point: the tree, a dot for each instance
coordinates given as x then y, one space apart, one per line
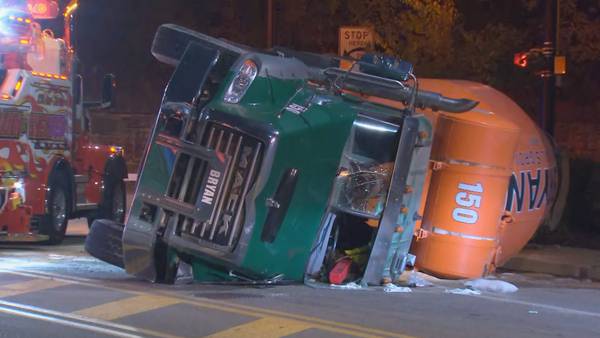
420 31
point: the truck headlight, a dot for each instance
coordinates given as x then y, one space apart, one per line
241 82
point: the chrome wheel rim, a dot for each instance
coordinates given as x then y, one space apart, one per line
59 209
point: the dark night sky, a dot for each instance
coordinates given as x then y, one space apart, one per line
115 36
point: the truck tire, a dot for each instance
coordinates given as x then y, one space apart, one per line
55 222
104 242
113 206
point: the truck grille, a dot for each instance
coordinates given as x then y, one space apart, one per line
217 194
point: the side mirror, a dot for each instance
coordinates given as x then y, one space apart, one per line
171 42
109 83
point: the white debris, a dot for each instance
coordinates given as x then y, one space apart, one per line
418 280
394 288
349 286
532 312
464 292
491 285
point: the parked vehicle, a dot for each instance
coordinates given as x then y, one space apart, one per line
50 171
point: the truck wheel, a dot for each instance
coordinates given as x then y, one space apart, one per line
104 242
113 206
58 212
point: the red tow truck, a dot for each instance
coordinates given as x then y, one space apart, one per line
50 171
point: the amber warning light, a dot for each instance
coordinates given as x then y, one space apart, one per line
114 150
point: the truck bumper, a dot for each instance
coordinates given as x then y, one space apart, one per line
15 220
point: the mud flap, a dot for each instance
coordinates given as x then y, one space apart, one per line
104 242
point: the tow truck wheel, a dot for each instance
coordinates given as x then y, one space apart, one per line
58 212
113 205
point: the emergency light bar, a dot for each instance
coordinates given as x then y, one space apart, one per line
43 9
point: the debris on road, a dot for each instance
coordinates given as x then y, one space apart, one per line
491 285
349 286
416 279
394 288
464 292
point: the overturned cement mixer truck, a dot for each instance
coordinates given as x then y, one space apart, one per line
267 166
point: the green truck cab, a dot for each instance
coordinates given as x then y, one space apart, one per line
268 165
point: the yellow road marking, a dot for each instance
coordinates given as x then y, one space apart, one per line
34 312
127 307
318 323
251 311
267 327
83 326
28 286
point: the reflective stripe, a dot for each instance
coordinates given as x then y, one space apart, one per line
441 231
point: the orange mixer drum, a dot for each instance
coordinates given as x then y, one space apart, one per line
472 161
480 209
533 183
492 183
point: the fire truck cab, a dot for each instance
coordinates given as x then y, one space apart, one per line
50 171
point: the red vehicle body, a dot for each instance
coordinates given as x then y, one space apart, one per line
50 172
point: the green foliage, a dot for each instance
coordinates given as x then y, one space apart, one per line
464 39
486 55
453 39
417 30
432 35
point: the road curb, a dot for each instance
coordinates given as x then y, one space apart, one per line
557 261
525 264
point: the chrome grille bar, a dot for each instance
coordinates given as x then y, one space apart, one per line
236 221
227 184
219 220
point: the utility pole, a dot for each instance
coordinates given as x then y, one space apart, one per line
269 23
546 116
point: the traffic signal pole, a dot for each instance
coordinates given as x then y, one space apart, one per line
546 117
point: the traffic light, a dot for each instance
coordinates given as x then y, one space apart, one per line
520 59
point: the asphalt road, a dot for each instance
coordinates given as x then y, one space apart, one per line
62 292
